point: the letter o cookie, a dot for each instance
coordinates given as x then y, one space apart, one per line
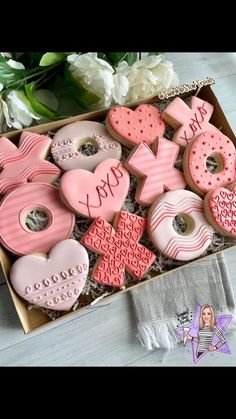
68 140
198 235
16 236
218 146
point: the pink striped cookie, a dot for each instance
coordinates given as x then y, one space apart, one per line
189 121
220 209
129 127
14 233
156 169
198 235
26 163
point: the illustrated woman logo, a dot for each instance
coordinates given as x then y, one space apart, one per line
207 330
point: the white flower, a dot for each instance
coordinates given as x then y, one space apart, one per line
148 76
15 64
97 76
20 112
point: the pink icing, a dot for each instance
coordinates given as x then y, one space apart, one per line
68 139
120 249
192 120
55 281
101 193
26 163
14 207
209 144
143 124
197 237
222 204
156 170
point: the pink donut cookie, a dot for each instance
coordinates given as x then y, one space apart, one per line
55 281
156 169
189 122
198 235
120 249
210 144
220 209
70 138
98 194
26 163
15 235
132 127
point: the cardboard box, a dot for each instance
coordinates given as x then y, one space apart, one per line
35 318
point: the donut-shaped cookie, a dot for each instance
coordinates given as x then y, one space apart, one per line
209 144
198 235
14 233
68 140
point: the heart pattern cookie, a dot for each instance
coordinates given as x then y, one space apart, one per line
98 194
130 127
54 282
220 209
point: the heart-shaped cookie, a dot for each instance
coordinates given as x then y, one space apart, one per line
130 127
53 282
218 206
98 194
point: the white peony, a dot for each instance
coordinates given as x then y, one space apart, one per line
4 116
20 111
148 76
97 76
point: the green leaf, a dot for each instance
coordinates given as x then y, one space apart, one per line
36 105
114 58
154 53
82 96
52 58
11 78
131 57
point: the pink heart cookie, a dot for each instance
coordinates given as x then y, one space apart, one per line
220 209
132 127
54 282
98 194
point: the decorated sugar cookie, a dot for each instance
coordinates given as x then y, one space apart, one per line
209 144
98 194
14 208
119 248
220 209
198 235
132 127
189 121
156 170
26 163
67 143
54 281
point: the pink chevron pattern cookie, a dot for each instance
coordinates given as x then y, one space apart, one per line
156 170
220 209
132 127
198 235
120 249
26 163
98 194
53 282
189 121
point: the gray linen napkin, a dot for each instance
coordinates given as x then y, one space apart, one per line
159 303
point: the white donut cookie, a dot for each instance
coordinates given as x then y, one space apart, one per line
198 235
70 138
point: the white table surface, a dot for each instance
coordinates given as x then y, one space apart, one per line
105 335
